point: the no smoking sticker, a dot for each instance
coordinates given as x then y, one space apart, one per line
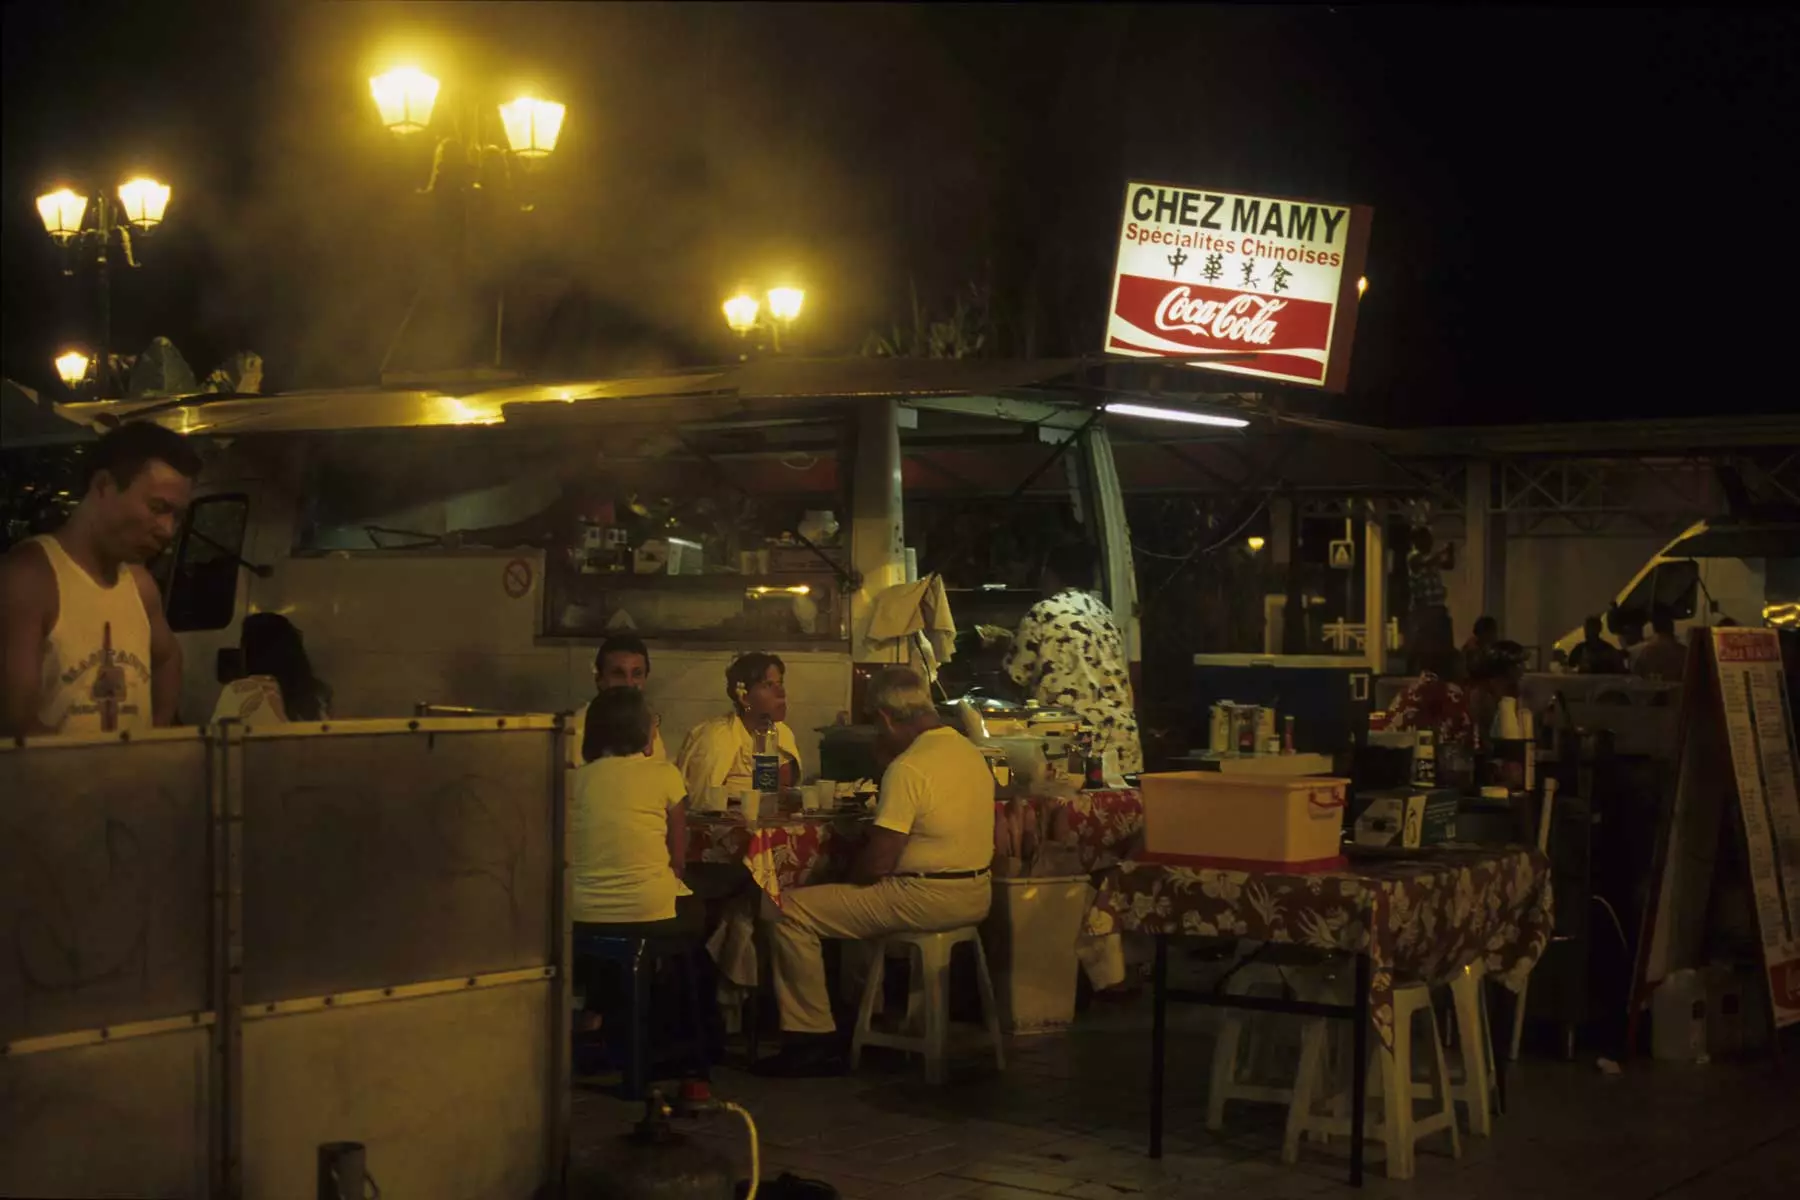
516 578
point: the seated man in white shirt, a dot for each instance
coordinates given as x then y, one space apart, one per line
622 661
924 867
717 753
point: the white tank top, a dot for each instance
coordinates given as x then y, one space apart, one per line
97 658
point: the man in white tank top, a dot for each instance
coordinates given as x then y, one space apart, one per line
84 645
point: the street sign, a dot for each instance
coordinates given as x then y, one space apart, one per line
1343 554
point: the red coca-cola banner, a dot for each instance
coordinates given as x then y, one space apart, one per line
1253 285
1215 318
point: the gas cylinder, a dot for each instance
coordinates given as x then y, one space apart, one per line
652 1162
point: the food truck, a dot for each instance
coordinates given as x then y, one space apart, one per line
470 550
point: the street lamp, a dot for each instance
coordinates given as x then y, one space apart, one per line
743 314
406 98
72 368
468 160
143 202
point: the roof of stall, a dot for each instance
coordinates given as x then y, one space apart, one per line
762 384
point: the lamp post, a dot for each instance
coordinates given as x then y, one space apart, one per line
466 159
143 202
744 315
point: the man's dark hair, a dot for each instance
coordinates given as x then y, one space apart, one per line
1421 539
1074 564
124 452
1593 627
1486 625
618 724
622 643
1663 621
747 671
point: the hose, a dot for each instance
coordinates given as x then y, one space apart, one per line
755 1151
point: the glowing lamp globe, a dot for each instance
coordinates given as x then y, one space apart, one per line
784 303
532 126
145 202
404 97
72 367
740 313
62 212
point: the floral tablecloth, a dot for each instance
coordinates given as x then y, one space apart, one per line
1107 824
788 853
1418 914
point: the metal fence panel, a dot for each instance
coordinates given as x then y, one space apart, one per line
451 1094
104 893
124 1118
374 856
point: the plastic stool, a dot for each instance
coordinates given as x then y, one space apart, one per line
1234 1055
630 954
1397 1129
1475 1039
927 1001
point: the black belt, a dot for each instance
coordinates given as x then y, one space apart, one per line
941 874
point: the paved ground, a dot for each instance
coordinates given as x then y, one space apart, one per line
1068 1118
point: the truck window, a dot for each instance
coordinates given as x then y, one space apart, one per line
200 587
984 500
1673 585
701 534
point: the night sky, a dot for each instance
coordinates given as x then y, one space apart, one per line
1576 214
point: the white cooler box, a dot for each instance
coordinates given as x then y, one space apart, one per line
1244 823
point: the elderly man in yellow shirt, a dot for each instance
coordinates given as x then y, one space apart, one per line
924 867
718 753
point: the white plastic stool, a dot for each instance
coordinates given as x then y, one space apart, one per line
1475 1039
926 1028
1397 1129
1235 1056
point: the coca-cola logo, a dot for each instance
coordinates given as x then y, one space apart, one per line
1243 318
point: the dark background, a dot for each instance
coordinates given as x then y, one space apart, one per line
1578 214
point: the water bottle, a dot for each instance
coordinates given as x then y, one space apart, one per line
765 761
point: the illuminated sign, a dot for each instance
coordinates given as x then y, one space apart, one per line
1264 285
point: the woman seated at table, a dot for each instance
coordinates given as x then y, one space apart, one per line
278 682
628 827
717 753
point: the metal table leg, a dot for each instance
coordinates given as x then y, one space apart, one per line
1159 992
1359 1069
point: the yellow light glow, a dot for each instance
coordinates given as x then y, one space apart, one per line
72 367
145 201
740 312
62 212
461 412
1362 285
532 125
1255 543
784 303
1781 616
798 589
404 97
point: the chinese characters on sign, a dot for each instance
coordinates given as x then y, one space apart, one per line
1275 295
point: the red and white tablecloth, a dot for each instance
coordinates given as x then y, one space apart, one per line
1107 824
784 853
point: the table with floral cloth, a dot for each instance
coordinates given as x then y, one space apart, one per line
1107 823
1421 914
782 852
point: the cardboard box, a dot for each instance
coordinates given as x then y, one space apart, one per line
1407 817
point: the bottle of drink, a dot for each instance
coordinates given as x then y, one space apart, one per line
765 760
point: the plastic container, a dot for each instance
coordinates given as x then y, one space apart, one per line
1030 938
1678 1017
1244 822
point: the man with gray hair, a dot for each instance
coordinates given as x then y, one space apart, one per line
924 867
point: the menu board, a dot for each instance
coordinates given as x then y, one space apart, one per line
1759 730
